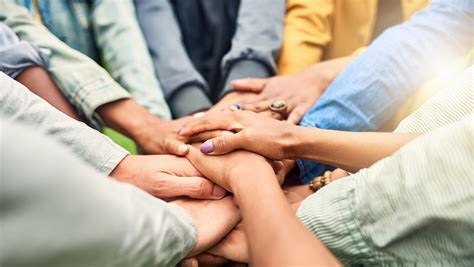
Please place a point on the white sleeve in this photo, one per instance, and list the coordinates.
(18, 104)
(57, 211)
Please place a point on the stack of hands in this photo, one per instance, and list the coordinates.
(215, 151)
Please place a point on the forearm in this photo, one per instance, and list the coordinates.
(326, 72)
(82, 215)
(84, 83)
(20, 105)
(276, 237)
(350, 151)
(37, 80)
(127, 117)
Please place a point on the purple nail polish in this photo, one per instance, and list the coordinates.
(207, 147)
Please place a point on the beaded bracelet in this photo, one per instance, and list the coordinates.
(320, 181)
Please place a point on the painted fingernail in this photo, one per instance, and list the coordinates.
(235, 107)
(237, 81)
(182, 149)
(218, 192)
(207, 147)
(199, 115)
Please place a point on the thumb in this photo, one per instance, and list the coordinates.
(255, 85)
(193, 187)
(177, 148)
(222, 144)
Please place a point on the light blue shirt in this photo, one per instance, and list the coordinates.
(369, 91)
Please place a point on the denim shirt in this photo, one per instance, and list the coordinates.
(76, 32)
(369, 91)
(107, 32)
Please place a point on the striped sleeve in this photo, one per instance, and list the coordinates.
(413, 208)
(448, 106)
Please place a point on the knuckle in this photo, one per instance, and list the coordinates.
(220, 143)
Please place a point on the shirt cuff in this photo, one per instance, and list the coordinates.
(330, 215)
(96, 93)
(188, 99)
(244, 68)
(116, 156)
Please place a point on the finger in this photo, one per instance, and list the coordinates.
(176, 147)
(222, 145)
(277, 166)
(338, 173)
(204, 136)
(170, 186)
(228, 122)
(272, 114)
(199, 161)
(257, 106)
(209, 260)
(255, 85)
(296, 114)
(191, 262)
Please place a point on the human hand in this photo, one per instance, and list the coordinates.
(232, 98)
(300, 90)
(261, 135)
(228, 169)
(161, 137)
(234, 247)
(166, 177)
(225, 216)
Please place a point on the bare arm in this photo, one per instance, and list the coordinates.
(280, 140)
(264, 210)
(350, 151)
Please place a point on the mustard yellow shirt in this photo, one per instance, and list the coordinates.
(317, 30)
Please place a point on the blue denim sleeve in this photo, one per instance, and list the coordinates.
(367, 94)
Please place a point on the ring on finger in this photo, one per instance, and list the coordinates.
(279, 106)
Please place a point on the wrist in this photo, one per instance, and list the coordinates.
(127, 117)
(124, 171)
(241, 180)
(293, 141)
(304, 144)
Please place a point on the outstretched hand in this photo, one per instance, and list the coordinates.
(265, 136)
(223, 169)
(166, 176)
(213, 219)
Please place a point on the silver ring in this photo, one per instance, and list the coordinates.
(279, 106)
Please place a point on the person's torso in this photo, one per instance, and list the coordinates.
(353, 23)
(69, 20)
(207, 27)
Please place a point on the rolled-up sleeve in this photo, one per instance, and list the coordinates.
(85, 84)
(368, 92)
(124, 52)
(18, 104)
(257, 39)
(414, 207)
